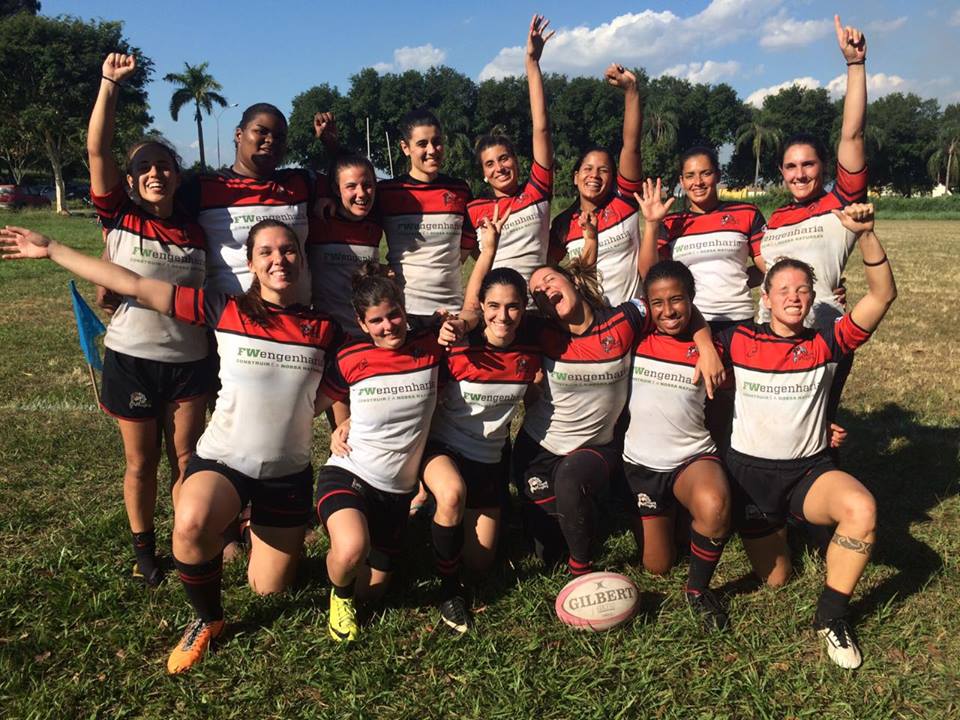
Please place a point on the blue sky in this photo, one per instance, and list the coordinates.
(263, 51)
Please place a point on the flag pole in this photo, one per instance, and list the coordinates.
(93, 382)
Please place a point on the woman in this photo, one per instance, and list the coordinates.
(566, 451)
(668, 453)
(257, 446)
(424, 216)
(523, 243)
(155, 373)
(607, 194)
(779, 456)
(338, 245)
(363, 497)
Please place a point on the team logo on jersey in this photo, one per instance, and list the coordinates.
(521, 366)
(448, 198)
(798, 352)
(726, 219)
(537, 485)
(608, 343)
(355, 484)
(138, 400)
(308, 327)
(605, 213)
(692, 351)
(362, 365)
(417, 352)
(645, 501)
(521, 197)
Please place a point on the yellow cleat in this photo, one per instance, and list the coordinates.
(343, 619)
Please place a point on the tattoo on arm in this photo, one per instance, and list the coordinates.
(849, 543)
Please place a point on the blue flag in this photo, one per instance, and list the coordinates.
(88, 326)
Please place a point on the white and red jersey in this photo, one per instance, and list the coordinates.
(618, 241)
(227, 205)
(269, 375)
(335, 249)
(715, 246)
(783, 384)
(526, 233)
(426, 225)
(586, 378)
(169, 249)
(810, 232)
(666, 409)
(482, 389)
(392, 395)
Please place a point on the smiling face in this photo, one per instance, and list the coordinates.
(499, 167)
(802, 172)
(386, 324)
(356, 187)
(261, 144)
(424, 147)
(670, 305)
(153, 177)
(789, 298)
(502, 312)
(275, 261)
(699, 180)
(595, 176)
(555, 295)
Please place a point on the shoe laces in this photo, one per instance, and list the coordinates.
(840, 629)
(193, 632)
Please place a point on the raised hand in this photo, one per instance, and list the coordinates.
(853, 43)
(118, 67)
(588, 224)
(858, 218)
(490, 228)
(652, 205)
(536, 38)
(452, 328)
(325, 127)
(618, 76)
(17, 243)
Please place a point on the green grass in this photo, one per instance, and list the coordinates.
(79, 639)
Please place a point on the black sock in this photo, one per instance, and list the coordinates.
(832, 604)
(704, 555)
(345, 591)
(203, 583)
(145, 550)
(447, 548)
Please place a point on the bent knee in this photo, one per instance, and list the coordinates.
(858, 512)
(712, 509)
(348, 554)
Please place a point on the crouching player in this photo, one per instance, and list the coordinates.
(779, 456)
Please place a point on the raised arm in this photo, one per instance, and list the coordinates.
(881, 287)
(630, 166)
(654, 209)
(104, 173)
(489, 229)
(853, 44)
(542, 144)
(18, 243)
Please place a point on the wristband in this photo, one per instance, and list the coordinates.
(856, 62)
(877, 263)
(110, 80)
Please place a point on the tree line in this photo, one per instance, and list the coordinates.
(46, 98)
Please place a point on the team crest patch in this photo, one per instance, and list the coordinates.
(362, 365)
(537, 485)
(726, 219)
(138, 400)
(448, 198)
(355, 484)
(308, 327)
(692, 351)
(798, 352)
(521, 366)
(645, 501)
(608, 343)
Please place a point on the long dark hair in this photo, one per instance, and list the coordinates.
(371, 287)
(504, 276)
(671, 270)
(583, 278)
(251, 303)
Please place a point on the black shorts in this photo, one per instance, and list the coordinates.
(766, 491)
(282, 502)
(534, 467)
(386, 512)
(139, 389)
(485, 481)
(653, 489)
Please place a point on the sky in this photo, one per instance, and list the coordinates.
(271, 52)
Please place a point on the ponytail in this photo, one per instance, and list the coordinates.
(587, 282)
(371, 287)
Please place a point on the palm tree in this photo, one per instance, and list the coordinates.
(943, 162)
(202, 89)
(758, 135)
(660, 126)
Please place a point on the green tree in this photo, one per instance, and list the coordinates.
(909, 127)
(757, 134)
(199, 87)
(51, 98)
(12, 7)
(302, 145)
(944, 163)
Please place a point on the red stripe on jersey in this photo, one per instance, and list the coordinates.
(611, 336)
(537, 189)
(285, 187)
(404, 195)
(756, 347)
(620, 206)
(118, 212)
(188, 305)
(487, 364)
(849, 188)
(743, 218)
(337, 231)
(670, 349)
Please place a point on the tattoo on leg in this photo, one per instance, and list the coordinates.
(849, 543)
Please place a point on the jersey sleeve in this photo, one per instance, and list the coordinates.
(333, 384)
(626, 189)
(110, 206)
(639, 315)
(559, 229)
(664, 234)
(851, 187)
(188, 196)
(541, 179)
(198, 307)
(847, 336)
(468, 234)
(758, 226)
(722, 341)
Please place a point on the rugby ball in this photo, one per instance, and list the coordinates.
(597, 601)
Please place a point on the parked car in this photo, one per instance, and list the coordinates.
(15, 197)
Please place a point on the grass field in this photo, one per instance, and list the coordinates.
(79, 639)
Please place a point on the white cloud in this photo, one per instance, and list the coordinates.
(658, 39)
(955, 18)
(706, 72)
(421, 57)
(782, 32)
(195, 144)
(879, 27)
(757, 97)
(878, 85)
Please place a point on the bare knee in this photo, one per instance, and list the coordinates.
(659, 566)
(189, 528)
(347, 553)
(858, 514)
(711, 510)
(451, 498)
(140, 470)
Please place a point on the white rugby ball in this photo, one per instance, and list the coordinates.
(597, 601)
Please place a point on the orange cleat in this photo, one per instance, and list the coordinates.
(196, 641)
